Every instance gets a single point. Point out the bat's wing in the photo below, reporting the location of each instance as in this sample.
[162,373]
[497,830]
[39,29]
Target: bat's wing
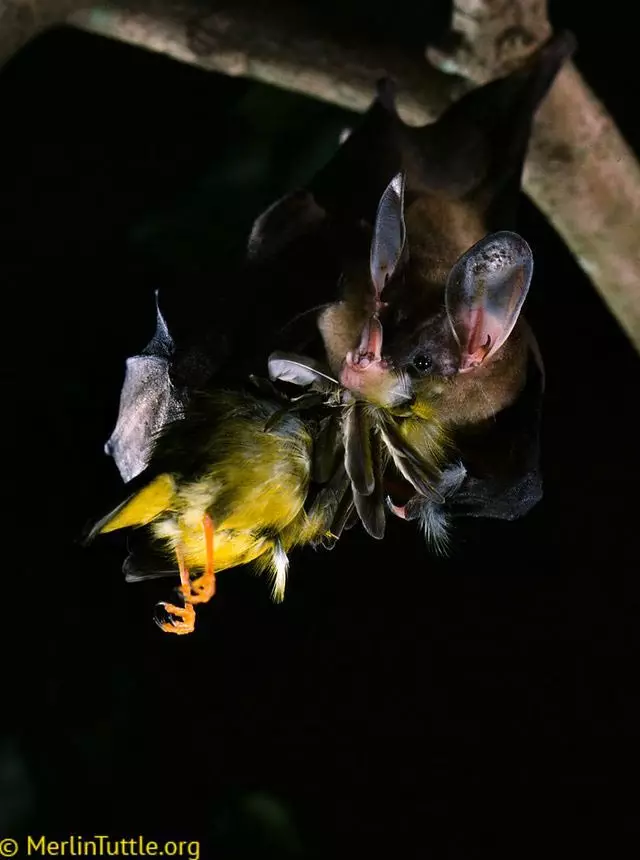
[504,479]
[473,152]
[296,255]
[148,401]
[476,150]
[350,184]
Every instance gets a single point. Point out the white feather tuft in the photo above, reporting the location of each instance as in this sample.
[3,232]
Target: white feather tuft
[279,568]
[435,525]
[434,519]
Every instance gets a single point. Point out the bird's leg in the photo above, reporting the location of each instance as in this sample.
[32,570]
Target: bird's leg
[182,619]
[203,588]
[200,590]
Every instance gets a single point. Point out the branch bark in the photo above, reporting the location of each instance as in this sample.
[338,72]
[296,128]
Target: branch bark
[22,20]
[580,172]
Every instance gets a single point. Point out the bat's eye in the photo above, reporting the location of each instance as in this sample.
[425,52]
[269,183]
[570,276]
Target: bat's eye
[422,363]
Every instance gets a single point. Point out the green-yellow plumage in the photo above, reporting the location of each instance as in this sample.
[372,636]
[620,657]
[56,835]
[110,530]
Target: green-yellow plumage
[219,465]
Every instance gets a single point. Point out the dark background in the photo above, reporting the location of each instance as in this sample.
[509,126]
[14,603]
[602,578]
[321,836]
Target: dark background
[487,705]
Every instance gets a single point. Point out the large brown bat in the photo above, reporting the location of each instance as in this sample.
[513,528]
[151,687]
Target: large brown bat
[391,420]
[436,278]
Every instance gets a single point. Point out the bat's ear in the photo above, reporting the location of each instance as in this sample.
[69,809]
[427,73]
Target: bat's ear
[485,292]
[389,234]
[283,222]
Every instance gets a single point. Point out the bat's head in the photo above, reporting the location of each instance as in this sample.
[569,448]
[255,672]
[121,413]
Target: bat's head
[417,322]
[466,328]
[413,328]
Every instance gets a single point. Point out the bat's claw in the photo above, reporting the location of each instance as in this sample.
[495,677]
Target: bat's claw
[181,620]
[411,510]
[399,510]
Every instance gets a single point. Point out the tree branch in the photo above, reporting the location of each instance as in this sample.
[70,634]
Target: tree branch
[278,43]
[580,172]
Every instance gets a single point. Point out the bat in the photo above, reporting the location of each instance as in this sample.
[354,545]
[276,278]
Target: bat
[454,275]
[388,417]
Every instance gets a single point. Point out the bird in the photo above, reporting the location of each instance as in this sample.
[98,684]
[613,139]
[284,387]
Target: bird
[226,485]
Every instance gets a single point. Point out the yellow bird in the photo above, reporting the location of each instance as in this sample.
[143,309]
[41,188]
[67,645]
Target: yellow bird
[226,489]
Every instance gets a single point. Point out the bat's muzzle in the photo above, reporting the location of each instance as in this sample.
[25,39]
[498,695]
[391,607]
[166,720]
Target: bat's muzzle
[370,346]
[364,364]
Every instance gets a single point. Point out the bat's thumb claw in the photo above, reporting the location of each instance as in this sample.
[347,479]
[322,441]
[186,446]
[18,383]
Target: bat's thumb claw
[399,510]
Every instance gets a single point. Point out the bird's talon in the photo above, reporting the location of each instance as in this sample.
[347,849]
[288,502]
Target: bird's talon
[202,589]
[182,620]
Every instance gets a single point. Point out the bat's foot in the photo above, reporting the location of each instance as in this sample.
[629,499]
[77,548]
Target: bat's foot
[181,620]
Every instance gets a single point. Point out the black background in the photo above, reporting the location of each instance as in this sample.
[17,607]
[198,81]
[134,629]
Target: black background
[483,706]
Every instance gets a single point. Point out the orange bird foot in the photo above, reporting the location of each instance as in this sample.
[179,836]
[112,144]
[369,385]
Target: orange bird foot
[182,620]
[202,589]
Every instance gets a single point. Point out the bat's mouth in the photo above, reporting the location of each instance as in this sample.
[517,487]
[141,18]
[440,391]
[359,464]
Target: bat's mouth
[367,374]
[369,349]
[366,358]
